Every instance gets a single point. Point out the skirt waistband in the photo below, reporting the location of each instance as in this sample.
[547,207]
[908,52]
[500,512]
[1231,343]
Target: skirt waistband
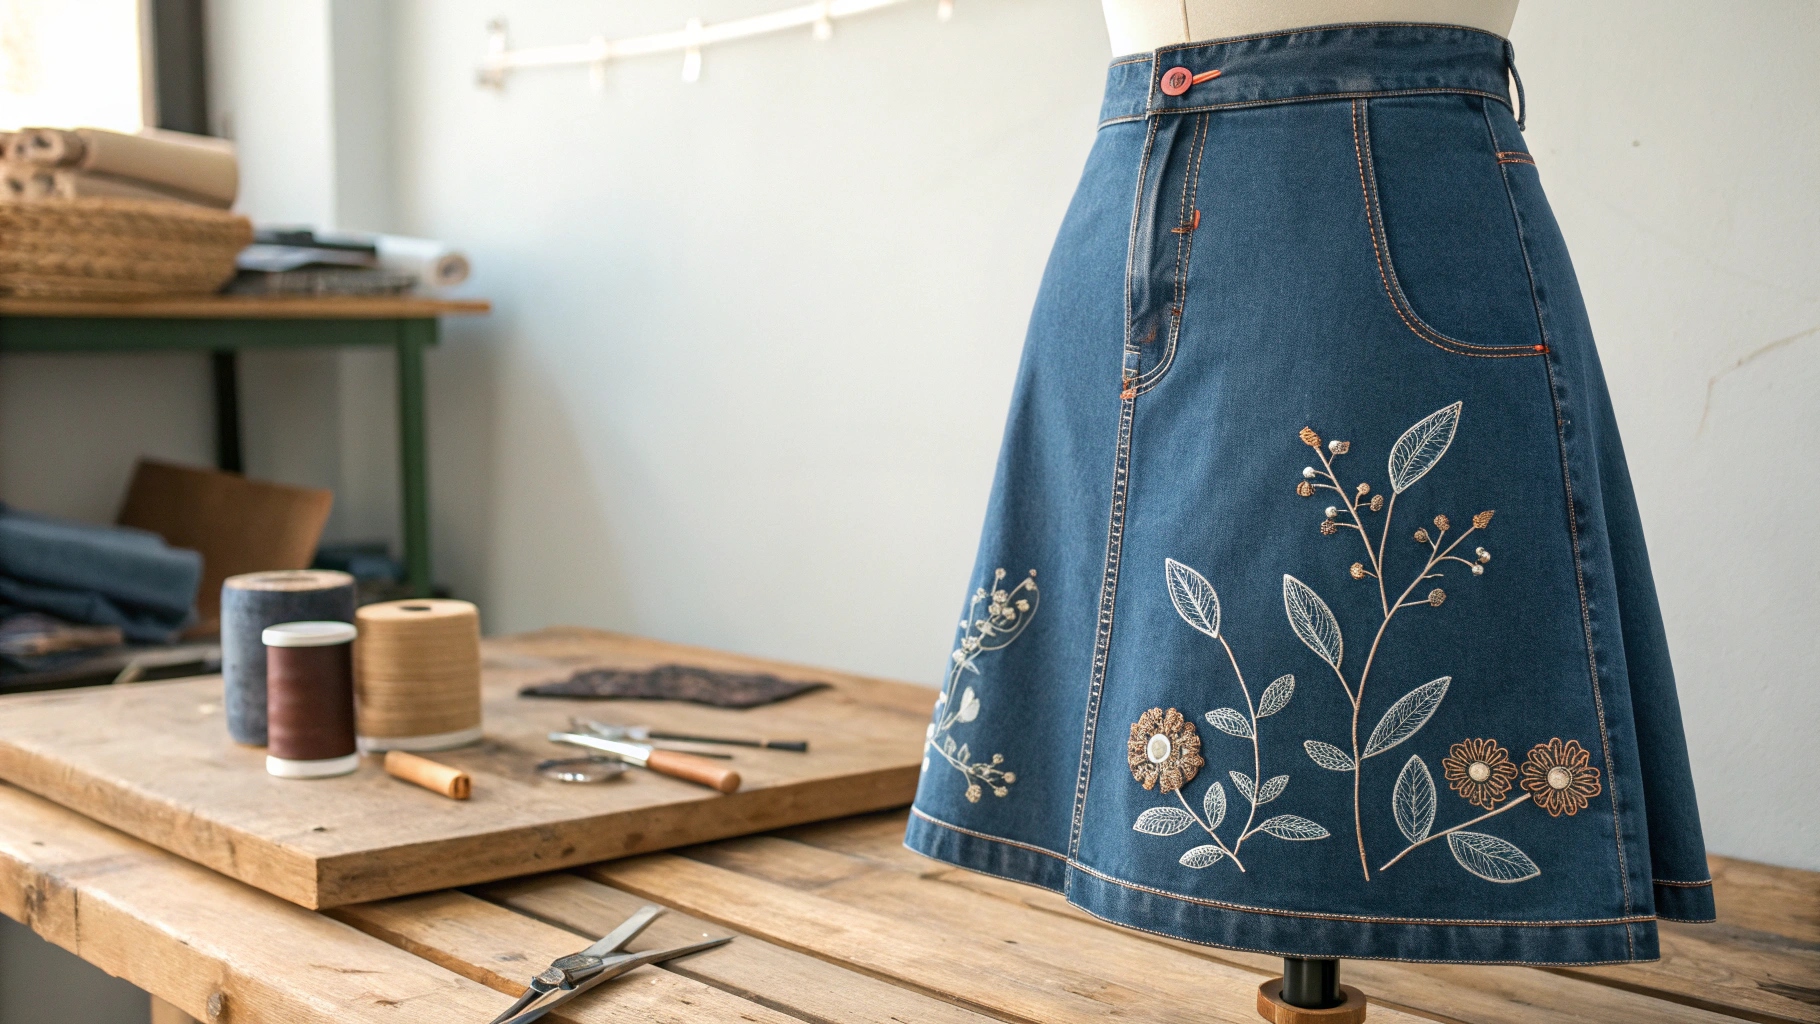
[1332,62]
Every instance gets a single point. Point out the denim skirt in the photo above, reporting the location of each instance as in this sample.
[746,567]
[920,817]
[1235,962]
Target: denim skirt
[1312,613]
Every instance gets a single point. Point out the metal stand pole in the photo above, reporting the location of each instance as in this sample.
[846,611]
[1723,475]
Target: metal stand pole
[1311,983]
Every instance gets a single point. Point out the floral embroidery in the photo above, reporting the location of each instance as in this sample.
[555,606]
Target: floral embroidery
[1158,737]
[1164,749]
[1413,455]
[1557,775]
[1008,610]
[1480,771]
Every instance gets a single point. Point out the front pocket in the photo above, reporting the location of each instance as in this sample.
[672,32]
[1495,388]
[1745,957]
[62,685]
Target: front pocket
[1440,226]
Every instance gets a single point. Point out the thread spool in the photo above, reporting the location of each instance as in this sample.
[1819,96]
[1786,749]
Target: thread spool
[250,603]
[417,675]
[309,680]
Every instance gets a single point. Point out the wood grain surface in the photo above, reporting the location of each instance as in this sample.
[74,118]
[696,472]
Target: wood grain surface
[834,922]
[154,760]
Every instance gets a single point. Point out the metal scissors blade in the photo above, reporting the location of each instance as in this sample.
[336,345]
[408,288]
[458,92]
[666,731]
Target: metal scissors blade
[607,944]
[613,968]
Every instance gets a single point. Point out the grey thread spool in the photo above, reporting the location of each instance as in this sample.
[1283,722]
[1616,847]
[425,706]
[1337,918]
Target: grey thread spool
[250,603]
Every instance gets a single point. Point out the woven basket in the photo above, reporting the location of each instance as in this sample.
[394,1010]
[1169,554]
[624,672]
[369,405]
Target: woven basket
[116,248]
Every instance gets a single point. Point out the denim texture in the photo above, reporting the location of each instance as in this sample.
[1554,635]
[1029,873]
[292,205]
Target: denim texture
[1312,613]
[102,575]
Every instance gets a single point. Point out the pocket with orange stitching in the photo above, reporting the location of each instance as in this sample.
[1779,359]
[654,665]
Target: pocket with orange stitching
[1440,225]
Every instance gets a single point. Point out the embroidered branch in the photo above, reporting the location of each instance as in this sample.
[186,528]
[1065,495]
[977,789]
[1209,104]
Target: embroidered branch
[1165,750]
[1006,613]
[1413,455]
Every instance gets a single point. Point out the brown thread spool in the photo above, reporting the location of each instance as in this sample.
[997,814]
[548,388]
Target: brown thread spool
[309,680]
[417,675]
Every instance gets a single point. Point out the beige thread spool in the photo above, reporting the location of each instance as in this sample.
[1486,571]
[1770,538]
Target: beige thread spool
[417,675]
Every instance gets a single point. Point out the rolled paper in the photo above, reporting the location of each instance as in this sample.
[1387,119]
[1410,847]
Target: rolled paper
[434,264]
[310,699]
[250,603]
[196,165]
[417,675]
[437,778]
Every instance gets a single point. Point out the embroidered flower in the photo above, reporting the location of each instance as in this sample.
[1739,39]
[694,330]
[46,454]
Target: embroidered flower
[1442,523]
[1480,771]
[1164,750]
[1357,571]
[1436,596]
[1329,528]
[1422,535]
[1310,438]
[1339,447]
[1558,776]
[1377,503]
[1305,489]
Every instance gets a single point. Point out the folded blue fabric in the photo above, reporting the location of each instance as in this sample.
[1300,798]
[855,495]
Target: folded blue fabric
[105,575]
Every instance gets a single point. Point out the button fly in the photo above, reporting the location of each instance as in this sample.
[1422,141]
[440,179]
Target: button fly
[1177,80]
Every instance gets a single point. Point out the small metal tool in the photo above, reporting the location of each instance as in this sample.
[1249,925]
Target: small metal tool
[559,969]
[581,769]
[664,762]
[572,975]
[645,734]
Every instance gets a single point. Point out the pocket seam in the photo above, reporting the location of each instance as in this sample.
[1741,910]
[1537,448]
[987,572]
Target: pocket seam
[1184,253]
[1387,274]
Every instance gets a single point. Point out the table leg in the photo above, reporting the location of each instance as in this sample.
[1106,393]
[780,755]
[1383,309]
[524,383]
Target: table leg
[413,337]
[225,364]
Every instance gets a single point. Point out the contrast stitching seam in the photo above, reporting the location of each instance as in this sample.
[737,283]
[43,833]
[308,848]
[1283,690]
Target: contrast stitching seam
[1515,157]
[1184,249]
[1244,908]
[1683,885]
[1350,95]
[1122,119]
[1121,462]
[1351,956]
[919,812]
[1374,224]
[1573,527]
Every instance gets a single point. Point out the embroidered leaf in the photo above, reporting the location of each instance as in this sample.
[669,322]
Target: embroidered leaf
[1328,756]
[1242,783]
[1163,821]
[970,706]
[1213,804]
[962,754]
[1421,446]
[1406,716]
[1294,827]
[1194,598]
[1312,621]
[1202,856]
[1276,696]
[947,744]
[1491,858]
[1273,788]
[1414,800]
[1230,722]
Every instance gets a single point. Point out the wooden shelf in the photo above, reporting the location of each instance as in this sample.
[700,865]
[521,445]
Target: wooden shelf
[251,307]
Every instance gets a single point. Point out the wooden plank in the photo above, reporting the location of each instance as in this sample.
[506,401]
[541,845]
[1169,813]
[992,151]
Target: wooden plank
[1767,898]
[154,760]
[215,949]
[252,307]
[1008,961]
[1706,970]
[500,949]
[792,982]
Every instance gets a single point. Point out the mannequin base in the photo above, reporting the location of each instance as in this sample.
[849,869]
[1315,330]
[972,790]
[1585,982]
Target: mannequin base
[1272,1008]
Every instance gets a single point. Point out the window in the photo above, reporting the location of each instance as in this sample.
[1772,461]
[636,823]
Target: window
[71,62]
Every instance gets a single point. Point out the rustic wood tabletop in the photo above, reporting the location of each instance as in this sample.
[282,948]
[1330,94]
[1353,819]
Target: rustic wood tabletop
[835,922]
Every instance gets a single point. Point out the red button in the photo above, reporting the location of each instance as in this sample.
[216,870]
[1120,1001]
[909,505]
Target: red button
[1177,80]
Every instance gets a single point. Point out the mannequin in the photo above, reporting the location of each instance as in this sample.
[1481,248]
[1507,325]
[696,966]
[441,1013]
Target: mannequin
[1141,25]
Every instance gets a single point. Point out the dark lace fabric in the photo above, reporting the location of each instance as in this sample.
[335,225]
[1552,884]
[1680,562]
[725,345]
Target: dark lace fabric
[674,682]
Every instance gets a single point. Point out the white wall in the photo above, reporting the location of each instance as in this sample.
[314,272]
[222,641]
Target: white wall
[754,337]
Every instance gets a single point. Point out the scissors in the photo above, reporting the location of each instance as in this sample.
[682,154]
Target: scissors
[569,976]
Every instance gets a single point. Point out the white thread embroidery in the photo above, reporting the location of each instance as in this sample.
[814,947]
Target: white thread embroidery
[1007,613]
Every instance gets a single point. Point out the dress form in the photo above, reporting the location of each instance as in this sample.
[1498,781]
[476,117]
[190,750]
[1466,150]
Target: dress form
[1141,25]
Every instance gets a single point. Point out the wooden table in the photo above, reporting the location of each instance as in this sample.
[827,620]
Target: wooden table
[835,922]
[225,324]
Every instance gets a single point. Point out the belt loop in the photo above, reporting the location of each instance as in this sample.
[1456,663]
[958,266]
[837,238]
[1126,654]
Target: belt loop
[1510,62]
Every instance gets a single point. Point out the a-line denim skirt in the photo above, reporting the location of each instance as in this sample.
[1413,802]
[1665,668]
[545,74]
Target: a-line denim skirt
[1312,613]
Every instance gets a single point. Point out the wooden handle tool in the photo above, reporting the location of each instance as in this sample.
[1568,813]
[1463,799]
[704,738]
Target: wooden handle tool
[678,765]
[437,778]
